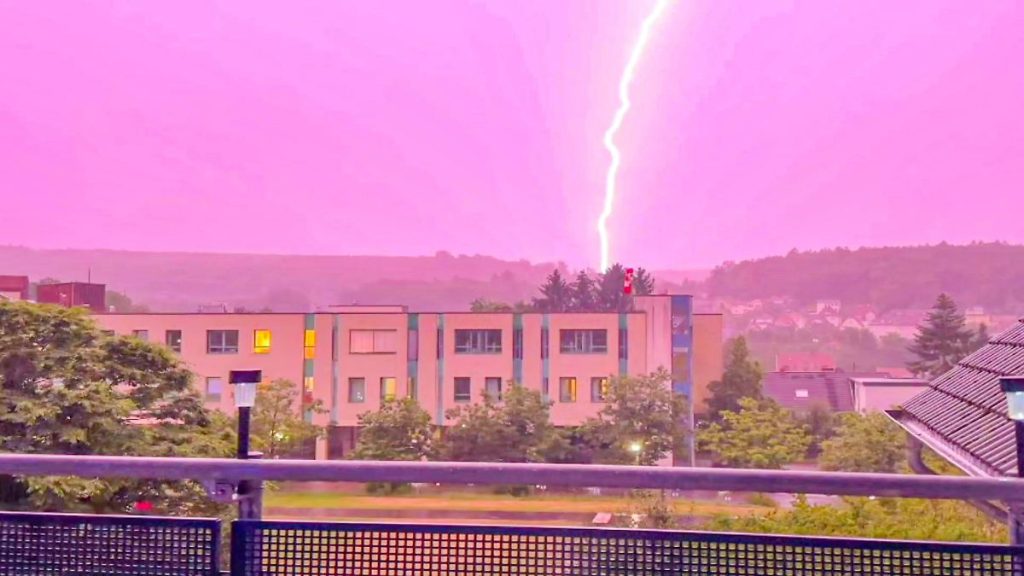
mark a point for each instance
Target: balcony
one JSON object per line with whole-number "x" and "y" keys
{"x": 62, "y": 544}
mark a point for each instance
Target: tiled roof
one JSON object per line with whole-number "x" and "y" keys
{"x": 805, "y": 362}
{"x": 801, "y": 390}
{"x": 963, "y": 412}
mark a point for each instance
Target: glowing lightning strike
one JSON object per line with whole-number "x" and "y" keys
{"x": 620, "y": 115}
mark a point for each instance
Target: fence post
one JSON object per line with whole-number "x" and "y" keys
{"x": 250, "y": 495}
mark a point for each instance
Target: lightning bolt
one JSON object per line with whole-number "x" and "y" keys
{"x": 620, "y": 115}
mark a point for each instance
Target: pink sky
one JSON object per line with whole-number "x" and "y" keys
{"x": 475, "y": 127}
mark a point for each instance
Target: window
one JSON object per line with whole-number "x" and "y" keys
{"x": 388, "y": 389}
{"x": 545, "y": 388}
{"x": 173, "y": 340}
{"x": 413, "y": 390}
{"x": 222, "y": 341}
{"x": 309, "y": 344}
{"x": 598, "y": 389}
{"x": 517, "y": 343}
{"x": 583, "y": 341}
{"x": 478, "y": 341}
{"x": 357, "y": 390}
{"x": 214, "y": 388}
{"x": 261, "y": 341}
{"x": 567, "y": 390}
{"x": 373, "y": 341}
{"x": 107, "y": 333}
{"x": 463, "y": 391}
{"x": 545, "y": 337}
{"x": 493, "y": 388}
{"x": 623, "y": 344}
{"x": 440, "y": 343}
{"x": 141, "y": 334}
{"x": 801, "y": 393}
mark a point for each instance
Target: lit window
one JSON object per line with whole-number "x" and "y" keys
{"x": 141, "y": 334}
{"x": 309, "y": 341}
{"x": 801, "y": 393}
{"x": 357, "y": 390}
{"x": 413, "y": 390}
{"x": 567, "y": 389}
{"x": 583, "y": 341}
{"x": 173, "y": 340}
{"x": 598, "y": 389}
{"x": 373, "y": 341}
{"x": 463, "y": 390}
{"x": 214, "y": 388}
{"x": 222, "y": 341}
{"x": 388, "y": 389}
{"x": 478, "y": 341}
{"x": 493, "y": 388}
{"x": 261, "y": 341}
{"x": 307, "y": 390}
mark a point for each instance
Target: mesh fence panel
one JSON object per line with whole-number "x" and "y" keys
{"x": 315, "y": 549}
{"x": 80, "y": 545}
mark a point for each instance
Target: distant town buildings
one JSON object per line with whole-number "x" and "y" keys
{"x": 13, "y": 288}
{"x": 72, "y": 294}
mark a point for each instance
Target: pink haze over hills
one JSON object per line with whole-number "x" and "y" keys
{"x": 403, "y": 128}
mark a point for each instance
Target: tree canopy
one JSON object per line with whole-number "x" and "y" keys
{"x": 587, "y": 294}
{"x": 761, "y": 434}
{"x": 864, "y": 443}
{"x": 741, "y": 379}
{"x": 942, "y": 340}
{"x": 69, "y": 389}
{"x": 515, "y": 429}
{"x": 278, "y": 429}
{"x": 399, "y": 430}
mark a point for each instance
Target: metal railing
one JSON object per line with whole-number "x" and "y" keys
{"x": 292, "y": 548}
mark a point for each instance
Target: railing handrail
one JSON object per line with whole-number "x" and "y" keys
{"x": 788, "y": 481}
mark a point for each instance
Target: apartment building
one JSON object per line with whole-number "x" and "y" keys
{"x": 352, "y": 358}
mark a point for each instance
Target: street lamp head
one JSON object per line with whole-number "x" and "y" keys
{"x": 1013, "y": 387}
{"x": 635, "y": 447}
{"x": 245, "y": 382}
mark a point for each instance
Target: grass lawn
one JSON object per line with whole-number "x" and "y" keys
{"x": 476, "y": 502}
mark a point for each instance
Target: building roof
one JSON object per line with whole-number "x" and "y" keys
{"x": 13, "y": 283}
{"x": 802, "y": 390}
{"x": 805, "y": 362}
{"x": 963, "y": 415}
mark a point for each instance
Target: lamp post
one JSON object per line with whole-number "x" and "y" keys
{"x": 246, "y": 382}
{"x": 1013, "y": 387}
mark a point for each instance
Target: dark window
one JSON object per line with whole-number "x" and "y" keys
{"x": 463, "y": 390}
{"x": 583, "y": 341}
{"x": 623, "y": 344}
{"x": 598, "y": 389}
{"x": 440, "y": 343}
{"x": 357, "y": 390}
{"x": 478, "y": 341}
{"x": 517, "y": 343}
{"x": 567, "y": 389}
{"x": 141, "y": 335}
{"x": 493, "y": 388}
{"x": 173, "y": 340}
{"x": 545, "y": 388}
{"x": 544, "y": 342}
{"x": 222, "y": 341}
{"x": 413, "y": 390}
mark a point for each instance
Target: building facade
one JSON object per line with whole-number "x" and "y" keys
{"x": 71, "y": 294}
{"x": 351, "y": 359}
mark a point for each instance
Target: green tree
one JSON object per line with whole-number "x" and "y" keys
{"x": 643, "y": 283}
{"x": 742, "y": 379}
{"x": 941, "y": 341}
{"x": 515, "y": 429}
{"x": 398, "y": 430}
{"x": 864, "y": 443}
{"x": 611, "y": 296}
{"x": 584, "y": 297}
{"x": 122, "y": 303}
{"x": 640, "y": 412}
{"x": 981, "y": 338}
{"x": 900, "y": 519}
{"x": 820, "y": 423}
{"x": 67, "y": 389}
{"x": 278, "y": 427}
{"x": 556, "y": 296}
{"x": 485, "y": 305}
{"x": 761, "y": 435}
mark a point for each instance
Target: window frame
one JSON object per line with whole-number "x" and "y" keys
{"x": 384, "y": 396}
{"x": 256, "y": 347}
{"x": 210, "y": 397}
{"x": 467, "y": 395}
{"x": 481, "y": 341}
{"x": 582, "y": 341}
{"x": 170, "y": 343}
{"x": 573, "y": 389}
{"x": 599, "y": 389}
{"x": 373, "y": 332}
{"x": 352, "y": 399}
{"x": 222, "y": 347}
{"x": 488, "y": 381}
{"x": 142, "y": 334}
